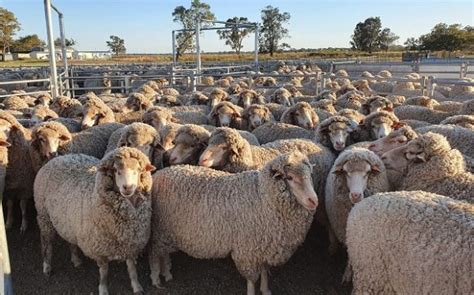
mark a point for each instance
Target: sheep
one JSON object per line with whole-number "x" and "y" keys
{"x": 198, "y": 98}
{"x": 283, "y": 97}
{"x": 100, "y": 82}
{"x": 395, "y": 139}
{"x": 136, "y": 102}
{"x": 423, "y": 101}
{"x": 248, "y": 97}
{"x": 255, "y": 116}
{"x": 415, "y": 123}
{"x": 96, "y": 112}
{"x": 48, "y": 139}
{"x": 43, "y": 99}
{"x": 226, "y": 114}
{"x": 334, "y": 133}
{"x": 466, "y": 121}
{"x": 302, "y": 115}
{"x": 356, "y": 174}
{"x": 429, "y": 163}
{"x": 277, "y": 110}
{"x": 324, "y": 108}
{"x": 364, "y": 87}
{"x": 102, "y": 207}
{"x": 349, "y": 100}
{"x": 234, "y": 88}
{"x": 411, "y": 243}
{"x": 41, "y": 113}
{"x": 413, "y": 112}
{"x": 15, "y": 103}
{"x": 257, "y": 217}
{"x": 168, "y": 100}
{"x": 458, "y": 137}
{"x": 397, "y": 100}
{"x": 272, "y": 131}
{"x": 160, "y": 116}
{"x": 376, "y": 103}
{"x": 189, "y": 142}
{"x": 217, "y": 96}
{"x": 376, "y": 125}
{"x": 140, "y": 136}
{"x": 19, "y": 176}
{"x": 341, "y": 73}
{"x": 354, "y": 116}
{"x": 67, "y": 107}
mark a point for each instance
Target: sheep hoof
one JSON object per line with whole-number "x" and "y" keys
{"x": 168, "y": 277}
{"x": 23, "y": 228}
{"x": 76, "y": 261}
{"x": 46, "y": 270}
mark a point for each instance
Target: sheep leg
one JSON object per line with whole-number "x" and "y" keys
{"x": 47, "y": 237}
{"x": 9, "y": 223}
{"x": 75, "y": 258}
{"x": 24, "y": 221}
{"x": 165, "y": 263}
{"x": 264, "y": 283}
{"x": 333, "y": 242}
{"x": 103, "y": 271}
{"x": 347, "y": 276}
{"x": 250, "y": 287}
{"x": 154, "y": 261}
{"x": 132, "y": 273}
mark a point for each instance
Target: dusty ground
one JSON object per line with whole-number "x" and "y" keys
{"x": 309, "y": 271}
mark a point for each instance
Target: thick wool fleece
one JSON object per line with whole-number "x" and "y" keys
{"x": 411, "y": 243}
{"x": 272, "y": 131}
{"x": 251, "y": 216}
{"x": 338, "y": 204}
{"x": 81, "y": 204}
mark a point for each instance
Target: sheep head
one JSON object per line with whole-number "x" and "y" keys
{"x": 142, "y": 137}
{"x": 282, "y": 96}
{"x": 381, "y": 124}
{"x": 224, "y": 114}
{"x": 189, "y": 142}
{"x": 40, "y": 114}
{"x": 248, "y": 97}
{"x": 357, "y": 166}
{"x": 224, "y": 145}
{"x": 94, "y": 110}
{"x": 376, "y": 104}
{"x": 136, "y": 102}
{"x": 49, "y": 138}
{"x": 335, "y": 131}
{"x": 158, "y": 117}
{"x": 217, "y": 96}
{"x": 129, "y": 172}
{"x": 256, "y": 115}
{"x": 395, "y": 139}
{"x": 302, "y": 115}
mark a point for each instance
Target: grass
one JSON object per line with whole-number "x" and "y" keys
{"x": 230, "y": 57}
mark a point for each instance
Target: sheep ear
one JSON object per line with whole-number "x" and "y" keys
{"x": 375, "y": 168}
{"x": 338, "y": 169}
{"x": 64, "y": 137}
{"x": 174, "y": 120}
{"x": 276, "y": 174}
{"x": 4, "y": 143}
{"x": 149, "y": 168}
{"x": 105, "y": 168}
{"x": 421, "y": 157}
{"x": 47, "y": 118}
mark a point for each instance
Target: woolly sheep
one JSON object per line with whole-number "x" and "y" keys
{"x": 226, "y": 114}
{"x": 411, "y": 243}
{"x": 397, "y": 100}
{"x": 376, "y": 125}
{"x": 96, "y": 112}
{"x": 423, "y": 101}
{"x": 415, "y": 123}
{"x": 216, "y": 96}
{"x": 67, "y": 107}
{"x": 15, "y": 103}
{"x": 302, "y": 115}
{"x": 41, "y": 113}
{"x": 189, "y": 142}
{"x": 429, "y": 163}
{"x": 48, "y": 139}
{"x": 466, "y": 121}
{"x": 255, "y": 116}
{"x": 276, "y": 109}
{"x": 350, "y": 100}
{"x": 137, "y": 102}
{"x": 84, "y": 200}
{"x": 248, "y": 97}
{"x": 259, "y": 218}
{"x": 376, "y": 103}
{"x": 356, "y": 174}
{"x": 324, "y": 108}
{"x": 395, "y": 139}
{"x": 334, "y": 132}
{"x": 18, "y": 182}
{"x": 413, "y": 112}
{"x": 272, "y": 131}
{"x": 354, "y": 116}
{"x": 458, "y": 137}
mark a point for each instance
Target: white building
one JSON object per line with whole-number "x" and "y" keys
{"x": 97, "y": 54}
{"x": 44, "y": 53}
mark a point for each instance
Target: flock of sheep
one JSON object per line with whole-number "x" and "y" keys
{"x": 240, "y": 170}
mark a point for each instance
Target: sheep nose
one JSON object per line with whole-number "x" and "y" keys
{"x": 52, "y": 155}
{"x": 173, "y": 160}
{"x": 309, "y": 125}
{"x": 356, "y": 197}
{"x": 127, "y": 188}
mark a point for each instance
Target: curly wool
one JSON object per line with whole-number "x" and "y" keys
{"x": 466, "y": 121}
{"x": 67, "y": 107}
{"x": 458, "y": 137}
{"x": 234, "y": 211}
{"x": 349, "y": 100}
{"x": 338, "y": 204}
{"x": 414, "y": 112}
{"x": 94, "y": 106}
{"x": 15, "y": 103}
{"x": 411, "y": 243}
{"x": 81, "y": 203}
{"x": 379, "y": 103}
{"x": 273, "y": 131}
{"x": 444, "y": 171}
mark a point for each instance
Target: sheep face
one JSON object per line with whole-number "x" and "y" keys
{"x": 381, "y": 104}
{"x": 283, "y": 97}
{"x": 91, "y": 116}
{"x": 214, "y": 156}
{"x": 186, "y": 150}
{"x": 50, "y": 141}
{"x": 395, "y": 139}
{"x": 356, "y": 173}
{"x": 234, "y": 89}
{"x": 297, "y": 175}
{"x": 225, "y": 116}
{"x": 5, "y": 128}
{"x": 256, "y": 116}
{"x": 247, "y": 97}
{"x": 41, "y": 114}
{"x": 380, "y": 128}
{"x": 398, "y": 159}
{"x": 216, "y": 97}
{"x": 158, "y": 119}
{"x": 43, "y": 100}
{"x": 338, "y": 133}
{"x": 303, "y": 118}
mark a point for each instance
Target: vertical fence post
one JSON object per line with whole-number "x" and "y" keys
{"x": 52, "y": 52}
{"x": 127, "y": 84}
{"x": 255, "y": 54}
{"x": 198, "y": 48}
{"x": 64, "y": 50}
{"x": 431, "y": 86}
{"x": 193, "y": 80}
{"x": 423, "y": 85}
{"x": 173, "y": 44}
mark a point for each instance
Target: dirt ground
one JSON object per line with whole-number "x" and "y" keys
{"x": 309, "y": 271}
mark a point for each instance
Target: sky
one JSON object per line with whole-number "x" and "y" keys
{"x": 146, "y": 25}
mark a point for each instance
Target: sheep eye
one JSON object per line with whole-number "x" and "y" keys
{"x": 290, "y": 178}
{"x": 119, "y": 173}
{"x": 173, "y": 142}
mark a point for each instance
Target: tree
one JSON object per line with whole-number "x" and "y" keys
{"x": 272, "y": 30}
{"x": 116, "y": 44}
{"x": 26, "y": 43}
{"x": 187, "y": 18}
{"x": 386, "y": 39}
{"x": 69, "y": 42}
{"x": 234, "y": 35}
{"x": 448, "y": 37}
{"x": 9, "y": 25}
{"x": 369, "y": 36}
{"x": 412, "y": 44}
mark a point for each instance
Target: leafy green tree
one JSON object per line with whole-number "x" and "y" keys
{"x": 9, "y": 25}
{"x": 272, "y": 30}
{"x": 412, "y": 44}
{"x": 448, "y": 37}
{"x": 187, "y": 18}
{"x": 234, "y": 35}
{"x": 69, "y": 42}
{"x": 27, "y": 43}
{"x": 369, "y": 36}
{"x": 116, "y": 44}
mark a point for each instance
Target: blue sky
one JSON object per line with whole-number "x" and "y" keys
{"x": 146, "y": 24}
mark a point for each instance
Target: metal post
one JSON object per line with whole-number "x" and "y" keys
{"x": 256, "y": 49}
{"x": 173, "y": 43}
{"x": 52, "y": 52}
{"x": 63, "y": 48}
{"x": 198, "y": 49}
{"x": 423, "y": 85}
